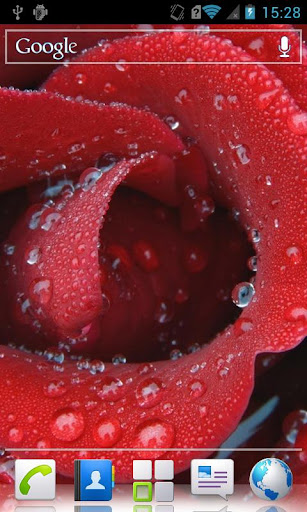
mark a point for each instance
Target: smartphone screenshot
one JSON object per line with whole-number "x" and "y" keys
{"x": 153, "y": 257}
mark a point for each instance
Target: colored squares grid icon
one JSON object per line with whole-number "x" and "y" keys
{"x": 142, "y": 491}
{"x": 163, "y": 474}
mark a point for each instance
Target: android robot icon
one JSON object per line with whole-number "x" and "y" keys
{"x": 40, "y": 12}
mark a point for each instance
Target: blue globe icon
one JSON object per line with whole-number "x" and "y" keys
{"x": 271, "y": 479}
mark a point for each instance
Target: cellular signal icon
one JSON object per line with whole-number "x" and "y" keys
{"x": 212, "y": 10}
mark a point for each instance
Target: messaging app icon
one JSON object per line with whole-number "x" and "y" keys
{"x": 35, "y": 479}
{"x": 212, "y": 477}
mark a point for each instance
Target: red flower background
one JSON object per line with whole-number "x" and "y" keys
{"x": 139, "y": 203}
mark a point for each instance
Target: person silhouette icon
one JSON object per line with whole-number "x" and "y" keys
{"x": 95, "y": 477}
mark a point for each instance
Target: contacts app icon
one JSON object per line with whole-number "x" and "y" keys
{"x": 94, "y": 480}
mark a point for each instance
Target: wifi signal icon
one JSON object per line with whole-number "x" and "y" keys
{"x": 212, "y": 10}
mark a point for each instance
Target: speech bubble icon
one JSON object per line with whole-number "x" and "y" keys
{"x": 212, "y": 477}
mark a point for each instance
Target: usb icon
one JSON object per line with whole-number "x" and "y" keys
{"x": 250, "y": 12}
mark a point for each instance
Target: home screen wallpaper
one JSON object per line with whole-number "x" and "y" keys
{"x": 153, "y": 246}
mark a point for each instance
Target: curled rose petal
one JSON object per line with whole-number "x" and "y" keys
{"x": 257, "y": 158}
{"x": 43, "y": 134}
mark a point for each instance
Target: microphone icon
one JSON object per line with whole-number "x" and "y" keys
{"x": 284, "y": 46}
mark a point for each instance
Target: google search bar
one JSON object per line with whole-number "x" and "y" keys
{"x": 55, "y": 46}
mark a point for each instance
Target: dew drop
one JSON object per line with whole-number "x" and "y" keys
{"x": 55, "y": 388}
{"x": 297, "y": 123}
{"x": 67, "y": 424}
{"x": 219, "y": 101}
{"x": 164, "y": 311}
{"x": 16, "y": 435}
{"x": 110, "y": 389}
{"x": 175, "y": 354}
{"x": 252, "y": 263}
{"x": 89, "y": 178}
{"x": 96, "y": 366}
{"x": 296, "y": 313}
{"x": 107, "y": 432}
{"x": 9, "y": 249}
{"x": 172, "y": 122}
{"x": 74, "y": 148}
{"x": 242, "y": 325}
{"x": 195, "y": 259}
{"x": 203, "y": 411}
{"x": 48, "y": 218}
{"x": 243, "y": 154}
{"x": 182, "y": 97}
{"x": 145, "y": 256}
{"x": 121, "y": 66}
{"x": 293, "y": 423}
{"x": 149, "y": 392}
{"x": 197, "y": 388}
{"x": 295, "y": 254}
{"x": 242, "y": 294}
{"x": 80, "y": 78}
{"x": 40, "y": 290}
{"x": 145, "y": 368}
{"x": 254, "y": 236}
{"x": 154, "y": 433}
{"x": 33, "y": 255}
{"x": 119, "y": 359}
{"x": 106, "y": 303}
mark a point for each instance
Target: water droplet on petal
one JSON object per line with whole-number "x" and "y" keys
{"x": 254, "y": 236}
{"x": 110, "y": 389}
{"x": 119, "y": 359}
{"x": 55, "y": 388}
{"x": 172, "y": 122}
{"x": 96, "y": 366}
{"x": 145, "y": 368}
{"x": 197, "y": 388}
{"x": 295, "y": 254}
{"x": 74, "y": 148}
{"x": 195, "y": 259}
{"x": 242, "y": 294}
{"x": 243, "y": 154}
{"x": 175, "y": 354}
{"x": 182, "y": 97}
{"x": 16, "y": 435}
{"x": 242, "y": 325}
{"x": 145, "y": 256}
{"x": 80, "y": 78}
{"x": 33, "y": 255}
{"x": 107, "y": 432}
{"x": 9, "y": 249}
{"x": 164, "y": 311}
{"x": 40, "y": 290}
{"x": 219, "y": 101}
{"x": 121, "y": 66}
{"x": 297, "y": 123}
{"x": 67, "y": 424}
{"x": 296, "y": 313}
{"x": 48, "y": 218}
{"x": 89, "y": 178}
{"x": 252, "y": 263}
{"x": 149, "y": 392}
{"x": 154, "y": 433}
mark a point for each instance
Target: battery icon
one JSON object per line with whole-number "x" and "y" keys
{"x": 250, "y": 12}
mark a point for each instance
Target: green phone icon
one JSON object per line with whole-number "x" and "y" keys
{"x": 24, "y": 486}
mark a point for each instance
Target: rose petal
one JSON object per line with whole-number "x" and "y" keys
{"x": 40, "y": 136}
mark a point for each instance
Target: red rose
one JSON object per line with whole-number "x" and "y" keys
{"x": 126, "y": 245}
